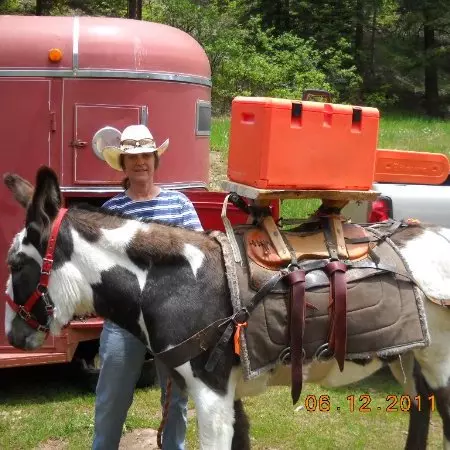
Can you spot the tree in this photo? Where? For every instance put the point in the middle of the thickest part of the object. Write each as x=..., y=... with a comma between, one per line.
x=43, y=7
x=134, y=9
x=429, y=20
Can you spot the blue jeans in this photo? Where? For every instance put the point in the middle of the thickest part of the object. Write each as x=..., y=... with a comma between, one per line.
x=122, y=356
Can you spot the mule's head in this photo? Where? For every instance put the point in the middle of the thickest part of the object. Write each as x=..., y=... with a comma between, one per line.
x=26, y=328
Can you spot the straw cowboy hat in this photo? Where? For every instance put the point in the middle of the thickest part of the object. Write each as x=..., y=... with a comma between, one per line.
x=134, y=139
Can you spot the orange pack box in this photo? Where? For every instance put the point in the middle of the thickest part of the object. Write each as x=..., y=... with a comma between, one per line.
x=286, y=144
x=401, y=166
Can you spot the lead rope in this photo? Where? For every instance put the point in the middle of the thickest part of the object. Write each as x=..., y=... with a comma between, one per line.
x=165, y=411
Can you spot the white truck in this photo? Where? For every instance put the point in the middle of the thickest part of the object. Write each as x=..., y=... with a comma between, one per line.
x=427, y=203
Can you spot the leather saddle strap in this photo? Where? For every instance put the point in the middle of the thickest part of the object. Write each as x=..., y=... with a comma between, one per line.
x=296, y=280
x=330, y=240
x=338, y=329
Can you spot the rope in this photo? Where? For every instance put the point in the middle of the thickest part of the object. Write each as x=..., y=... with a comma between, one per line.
x=165, y=411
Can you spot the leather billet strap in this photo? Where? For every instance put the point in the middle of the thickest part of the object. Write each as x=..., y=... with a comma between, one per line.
x=297, y=312
x=330, y=240
x=337, y=339
x=195, y=345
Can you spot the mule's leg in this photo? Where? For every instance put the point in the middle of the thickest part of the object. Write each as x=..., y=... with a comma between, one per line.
x=215, y=411
x=435, y=363
x=442, y=397
x=241, y=436
x=419, y=414
x=408, y=373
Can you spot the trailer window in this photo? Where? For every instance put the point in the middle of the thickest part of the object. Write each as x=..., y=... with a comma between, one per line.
x=203, y=122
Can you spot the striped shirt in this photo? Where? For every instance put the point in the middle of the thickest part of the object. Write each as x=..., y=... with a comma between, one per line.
x=171, y=207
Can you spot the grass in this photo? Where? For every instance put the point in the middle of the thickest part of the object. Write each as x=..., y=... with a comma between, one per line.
x=48, y=408
x=414, y=133
x=395, y=131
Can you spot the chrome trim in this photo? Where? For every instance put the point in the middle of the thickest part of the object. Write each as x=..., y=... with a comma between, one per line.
x=108, y=73
x=197, y=117
x=76, y=37
x=160, y=76
x=35, y=73
x=105, y=190
x=143, y=116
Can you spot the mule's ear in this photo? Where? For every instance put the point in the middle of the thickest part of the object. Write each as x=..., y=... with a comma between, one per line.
x=46, y=200
x=21, y=189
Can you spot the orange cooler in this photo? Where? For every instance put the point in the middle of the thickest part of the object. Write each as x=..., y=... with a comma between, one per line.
x=284, y=144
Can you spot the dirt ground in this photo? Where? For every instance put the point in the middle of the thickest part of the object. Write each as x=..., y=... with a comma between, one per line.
x=144, y=438
x=217, y=172
x=139, y=439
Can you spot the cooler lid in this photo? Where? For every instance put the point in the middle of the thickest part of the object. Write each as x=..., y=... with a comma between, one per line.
x=318, y=107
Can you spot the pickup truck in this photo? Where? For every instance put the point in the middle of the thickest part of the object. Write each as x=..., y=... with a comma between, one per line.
x=427, y=203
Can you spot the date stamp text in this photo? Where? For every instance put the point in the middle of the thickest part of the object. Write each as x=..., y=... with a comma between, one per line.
x=365, y=404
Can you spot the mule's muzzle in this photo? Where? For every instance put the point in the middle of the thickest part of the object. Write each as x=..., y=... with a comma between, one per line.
x=23, y=337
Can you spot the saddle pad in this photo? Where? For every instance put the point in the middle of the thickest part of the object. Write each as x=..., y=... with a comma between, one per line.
x=385, y=314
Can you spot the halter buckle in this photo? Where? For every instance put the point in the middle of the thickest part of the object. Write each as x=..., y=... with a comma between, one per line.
x=49, y=309
x=42, y=328
x=47, y=264
x=23, y=313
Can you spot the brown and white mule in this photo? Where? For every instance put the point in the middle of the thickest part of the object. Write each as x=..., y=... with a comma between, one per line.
x=164, y=284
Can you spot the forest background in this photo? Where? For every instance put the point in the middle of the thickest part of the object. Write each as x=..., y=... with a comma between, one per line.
x=390, y=54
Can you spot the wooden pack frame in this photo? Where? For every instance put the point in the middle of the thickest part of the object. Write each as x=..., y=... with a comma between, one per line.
x=333, y=200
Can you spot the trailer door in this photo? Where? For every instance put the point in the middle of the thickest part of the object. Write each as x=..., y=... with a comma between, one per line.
x=88, y=168
x=26, y=136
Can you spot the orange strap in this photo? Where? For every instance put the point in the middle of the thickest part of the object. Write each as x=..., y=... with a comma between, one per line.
x=237, y=333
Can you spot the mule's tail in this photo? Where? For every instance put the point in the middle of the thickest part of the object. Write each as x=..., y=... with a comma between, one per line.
x=241, y=435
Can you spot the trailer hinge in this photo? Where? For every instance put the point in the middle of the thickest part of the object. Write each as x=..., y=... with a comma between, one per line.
x=52, y=121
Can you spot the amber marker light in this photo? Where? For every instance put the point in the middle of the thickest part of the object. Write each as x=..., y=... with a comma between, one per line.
x=55, y=54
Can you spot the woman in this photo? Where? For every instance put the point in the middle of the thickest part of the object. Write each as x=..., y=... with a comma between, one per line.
x=122, y=354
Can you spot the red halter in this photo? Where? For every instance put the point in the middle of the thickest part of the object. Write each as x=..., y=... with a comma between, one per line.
x=24, y=311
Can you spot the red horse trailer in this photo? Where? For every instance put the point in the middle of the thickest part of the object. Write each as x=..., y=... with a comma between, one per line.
x=64, y=78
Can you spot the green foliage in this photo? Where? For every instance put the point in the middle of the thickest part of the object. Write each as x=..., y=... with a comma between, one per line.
x=262, y=64
x=251, y=61
x=108, y=8
x=10, y=7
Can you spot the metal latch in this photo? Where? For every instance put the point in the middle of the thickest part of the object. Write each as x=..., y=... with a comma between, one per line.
x=76, y=143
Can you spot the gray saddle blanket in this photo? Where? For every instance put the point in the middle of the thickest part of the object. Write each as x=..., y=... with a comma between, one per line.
x=385, y=311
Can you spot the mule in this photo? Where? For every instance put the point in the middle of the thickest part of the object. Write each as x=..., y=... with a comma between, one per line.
x=164, y=284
